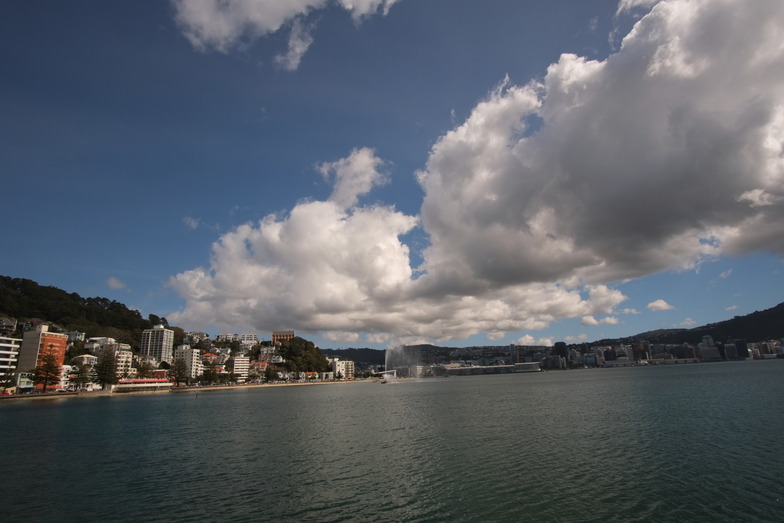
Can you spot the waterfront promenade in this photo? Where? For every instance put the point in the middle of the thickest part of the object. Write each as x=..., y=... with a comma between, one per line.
x=196, y=389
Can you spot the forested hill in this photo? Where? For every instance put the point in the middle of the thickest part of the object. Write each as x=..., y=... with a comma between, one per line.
x=27, y=300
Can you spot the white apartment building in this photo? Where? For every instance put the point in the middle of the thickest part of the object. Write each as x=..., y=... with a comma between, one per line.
x=342, y=368
x=192, y=359
x=247, y=341
x=123, y=354
x=157, y=343
x=241, y=366
x=9, y=354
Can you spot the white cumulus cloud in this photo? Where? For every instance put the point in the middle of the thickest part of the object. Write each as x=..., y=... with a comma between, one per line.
x=665, y=154
x=337, y=267
x=591, y=321
x=354, y=176
x=639, y=164
x=660, y=305
x=225, y=24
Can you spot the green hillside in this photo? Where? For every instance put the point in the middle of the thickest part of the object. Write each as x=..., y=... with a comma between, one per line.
x=26, y=300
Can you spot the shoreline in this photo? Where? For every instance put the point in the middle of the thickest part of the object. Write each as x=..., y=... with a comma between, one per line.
x=176, y=390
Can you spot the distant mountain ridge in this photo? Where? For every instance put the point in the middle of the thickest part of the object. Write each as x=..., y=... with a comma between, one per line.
x=762, y=325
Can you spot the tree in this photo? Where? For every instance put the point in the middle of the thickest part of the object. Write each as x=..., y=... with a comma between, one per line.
x=179, y=372
x=84, y=375
x=48, y=372
x=106, y=368
x=301, y=355
x=179, y=334
x=210, y=374
x=75, y=349
x=270, y=374
x=144, y=369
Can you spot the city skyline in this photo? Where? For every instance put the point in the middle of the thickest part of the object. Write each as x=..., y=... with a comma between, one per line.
x=378, y=172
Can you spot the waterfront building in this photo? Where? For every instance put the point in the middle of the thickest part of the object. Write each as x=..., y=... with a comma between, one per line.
x=123, y=355
x=708, y=351
x=730, y=350
x=143, y=385
x=9, y=354
x=157, y=343
x=742, y=348
x=241, y=367
x=39, y=342
x=641, y=350
x=192, y=359
x=342, y=368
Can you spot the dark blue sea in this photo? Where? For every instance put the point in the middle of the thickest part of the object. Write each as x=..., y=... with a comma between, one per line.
x=695, y=442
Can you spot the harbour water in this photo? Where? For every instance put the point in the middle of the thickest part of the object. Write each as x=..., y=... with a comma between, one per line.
x=696, y=442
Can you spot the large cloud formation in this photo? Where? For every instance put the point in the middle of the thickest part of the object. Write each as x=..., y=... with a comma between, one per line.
x=224, y=24
x=667, y=153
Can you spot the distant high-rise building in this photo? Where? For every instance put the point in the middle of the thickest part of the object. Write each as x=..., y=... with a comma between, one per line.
x=641, y=350
x=742, y=348
x=157, y=343
x=39, y=342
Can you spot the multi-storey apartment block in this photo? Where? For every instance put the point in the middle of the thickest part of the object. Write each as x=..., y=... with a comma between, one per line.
x=157, y=343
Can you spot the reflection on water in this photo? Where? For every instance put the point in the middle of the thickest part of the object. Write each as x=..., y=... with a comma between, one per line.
x=699, y=442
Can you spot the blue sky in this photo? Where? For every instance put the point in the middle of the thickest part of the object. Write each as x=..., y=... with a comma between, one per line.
x=380, y=171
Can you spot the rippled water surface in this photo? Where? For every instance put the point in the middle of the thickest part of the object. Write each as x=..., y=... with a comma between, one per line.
x=700, y=442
